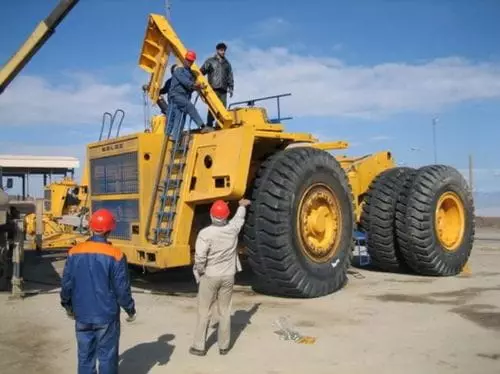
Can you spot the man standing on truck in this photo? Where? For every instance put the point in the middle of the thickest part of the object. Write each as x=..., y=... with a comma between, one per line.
x=220, y=76
x=181, y=87
x=95, y=285
x=216, y=263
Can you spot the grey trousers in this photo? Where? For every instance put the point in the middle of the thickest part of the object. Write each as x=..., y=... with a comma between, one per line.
x=212, y=289
x=223, y=96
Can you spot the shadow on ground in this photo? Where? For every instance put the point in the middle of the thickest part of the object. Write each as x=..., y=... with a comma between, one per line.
x=239, y=322
x=141, y=358
x=41, y=271
x=177, y=281
x=42, y=274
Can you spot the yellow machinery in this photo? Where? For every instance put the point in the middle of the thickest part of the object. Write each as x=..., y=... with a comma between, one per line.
x=306, y=203
x=62, y=221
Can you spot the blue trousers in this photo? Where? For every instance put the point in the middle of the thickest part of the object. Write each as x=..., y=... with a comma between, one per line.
x=98, y=342
x=174, y=122
x=184, y=105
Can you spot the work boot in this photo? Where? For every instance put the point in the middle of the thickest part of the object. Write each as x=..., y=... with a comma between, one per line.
x=197, y=352
x=205, y=129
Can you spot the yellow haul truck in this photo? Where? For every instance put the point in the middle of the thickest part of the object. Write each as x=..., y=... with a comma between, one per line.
x=306, y=203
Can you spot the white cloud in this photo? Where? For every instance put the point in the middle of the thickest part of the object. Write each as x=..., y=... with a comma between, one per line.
x=380, y=138
x=324, y=86
x=320, y=86
x=337, y=47
x=269, y=27
x=80, y=100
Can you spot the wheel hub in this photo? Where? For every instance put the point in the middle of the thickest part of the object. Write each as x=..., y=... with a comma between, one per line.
x=319, y=223
x=450, y=220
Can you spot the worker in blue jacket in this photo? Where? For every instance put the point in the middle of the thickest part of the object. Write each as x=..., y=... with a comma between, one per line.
x=95, y=285
x=182, y=85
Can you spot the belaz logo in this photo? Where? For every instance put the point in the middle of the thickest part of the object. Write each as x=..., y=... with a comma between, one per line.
x=112, y=147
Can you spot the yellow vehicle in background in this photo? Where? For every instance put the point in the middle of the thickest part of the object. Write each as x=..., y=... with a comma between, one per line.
x=306, y=203
x=64, y=219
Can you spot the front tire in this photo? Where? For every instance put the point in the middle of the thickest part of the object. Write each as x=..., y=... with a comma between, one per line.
x=299, y=230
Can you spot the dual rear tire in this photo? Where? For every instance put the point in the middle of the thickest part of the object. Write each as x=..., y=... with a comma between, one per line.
x=419, y=220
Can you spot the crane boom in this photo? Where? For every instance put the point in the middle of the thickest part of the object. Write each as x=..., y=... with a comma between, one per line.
x=160, y=42
x=35, y=41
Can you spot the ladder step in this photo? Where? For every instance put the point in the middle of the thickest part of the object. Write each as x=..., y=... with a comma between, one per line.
x=176, y=166
x=166, y=217
x=168, y=213
x=166, y=198
x=164, y=230
x=172, y=182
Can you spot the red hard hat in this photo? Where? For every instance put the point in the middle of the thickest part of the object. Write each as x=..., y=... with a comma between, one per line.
x=219, y=210
x=102, y=221
x=190, y=55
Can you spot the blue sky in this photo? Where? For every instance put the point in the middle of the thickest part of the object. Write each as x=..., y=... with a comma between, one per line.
x=372, y=72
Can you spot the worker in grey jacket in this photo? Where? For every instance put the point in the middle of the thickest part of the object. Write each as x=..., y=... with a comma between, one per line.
x=220, y=76
x=216, y=263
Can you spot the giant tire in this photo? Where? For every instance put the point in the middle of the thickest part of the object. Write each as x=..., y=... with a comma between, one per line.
x=417, y=221
x=378, y=218
x=272, y=233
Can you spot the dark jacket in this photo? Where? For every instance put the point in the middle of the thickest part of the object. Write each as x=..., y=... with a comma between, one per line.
x=182, y=83
x=95, y=282
x=219, y=72
x=166, y=87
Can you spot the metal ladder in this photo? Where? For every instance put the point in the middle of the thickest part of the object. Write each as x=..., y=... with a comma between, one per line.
x=171, y=186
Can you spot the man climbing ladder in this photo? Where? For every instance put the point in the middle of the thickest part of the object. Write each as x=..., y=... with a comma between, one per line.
x=179, y=95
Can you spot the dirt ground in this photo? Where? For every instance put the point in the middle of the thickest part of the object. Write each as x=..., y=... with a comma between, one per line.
x=379, y=323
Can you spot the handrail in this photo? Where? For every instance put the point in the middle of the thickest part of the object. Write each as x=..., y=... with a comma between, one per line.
x=251, y=103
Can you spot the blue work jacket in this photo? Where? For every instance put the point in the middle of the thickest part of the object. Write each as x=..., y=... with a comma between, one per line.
x=96, y=283
x=182, y=83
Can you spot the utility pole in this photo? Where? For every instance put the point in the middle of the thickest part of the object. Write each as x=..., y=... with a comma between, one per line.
x=434, y=121
x=471, y=183
x=167, y=8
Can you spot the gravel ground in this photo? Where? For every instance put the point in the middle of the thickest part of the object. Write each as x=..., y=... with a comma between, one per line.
x=380, y=323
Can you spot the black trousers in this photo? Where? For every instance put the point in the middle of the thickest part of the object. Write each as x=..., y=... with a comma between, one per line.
x=222, y=94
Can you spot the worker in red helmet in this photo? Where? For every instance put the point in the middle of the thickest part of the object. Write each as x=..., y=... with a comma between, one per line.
x=95, y=284
x=216, y=263
x=182, y=85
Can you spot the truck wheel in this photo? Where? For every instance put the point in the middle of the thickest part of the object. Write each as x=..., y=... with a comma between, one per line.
x=378, y=218
x=300, y=226
x=435, y=221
